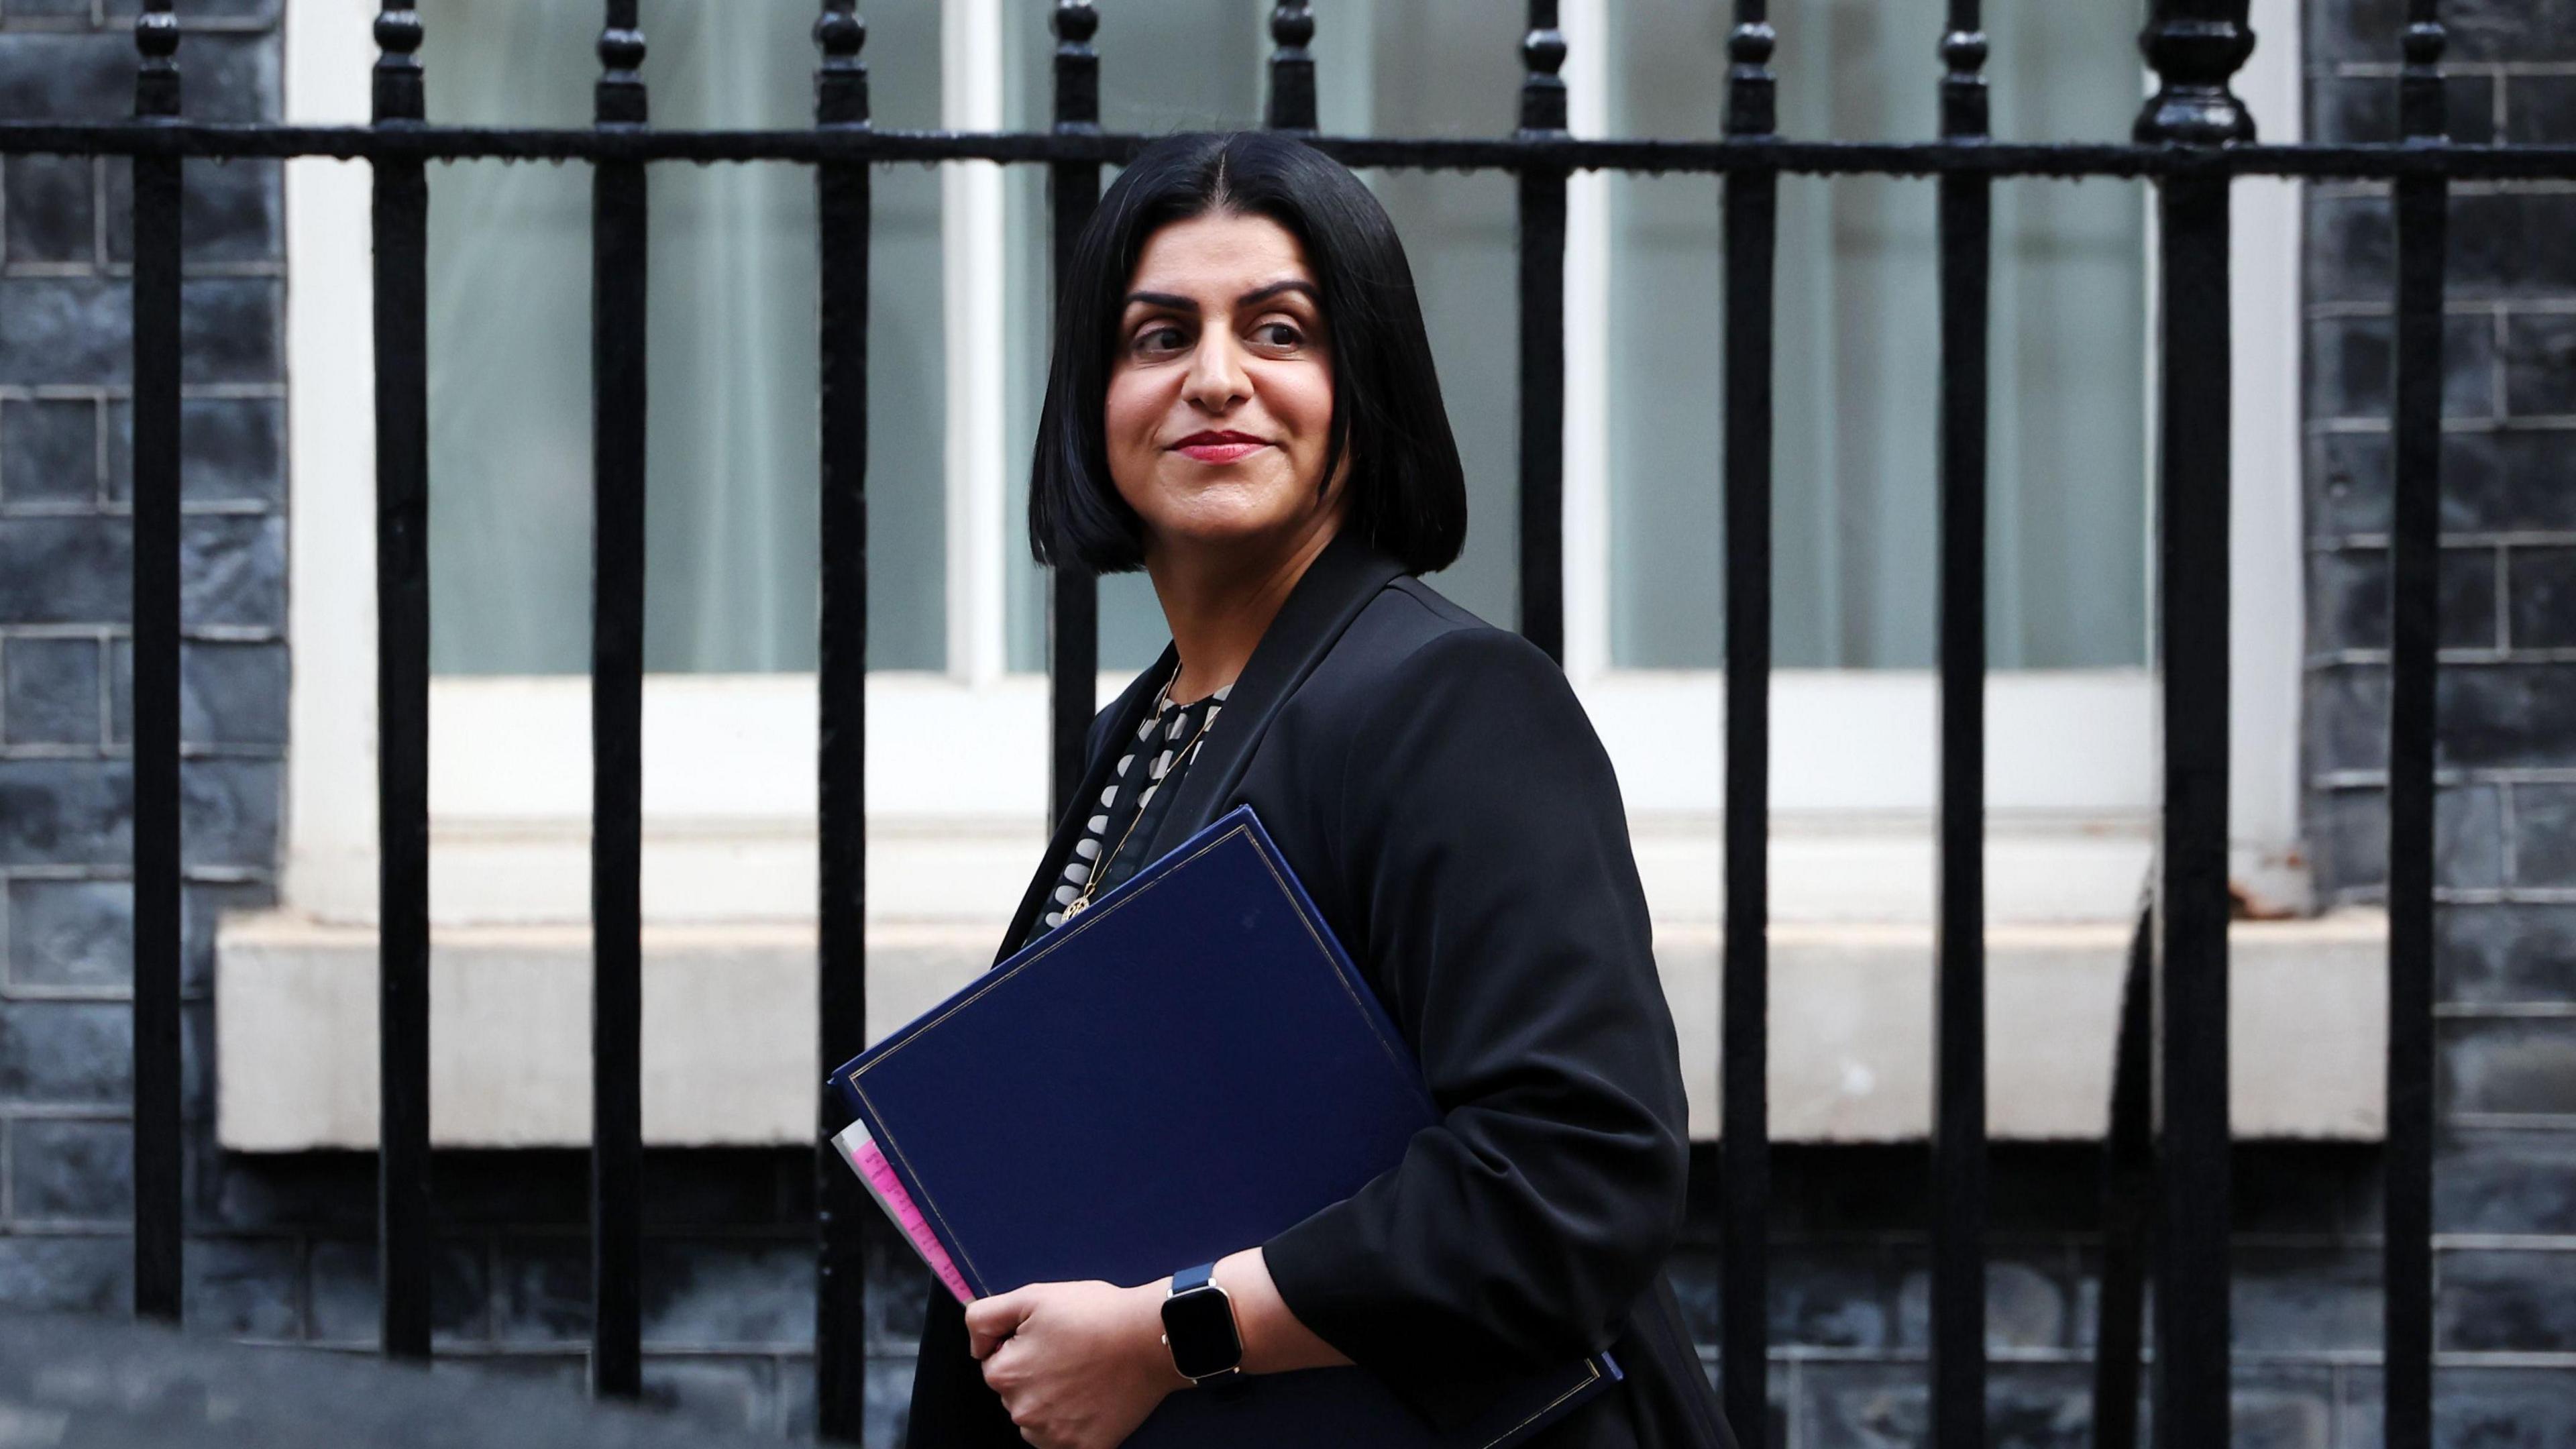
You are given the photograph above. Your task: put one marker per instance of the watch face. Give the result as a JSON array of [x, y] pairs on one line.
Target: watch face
[[1200, 1325]]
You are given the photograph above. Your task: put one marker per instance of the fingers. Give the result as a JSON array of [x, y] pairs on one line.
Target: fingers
[[991, 1320]]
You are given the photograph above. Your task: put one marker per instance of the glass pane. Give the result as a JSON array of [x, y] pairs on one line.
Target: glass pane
[[731, 564], [1447, 67], [1856, 368]]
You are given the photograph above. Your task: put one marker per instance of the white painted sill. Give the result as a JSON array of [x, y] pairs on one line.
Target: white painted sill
[[729, 1041]]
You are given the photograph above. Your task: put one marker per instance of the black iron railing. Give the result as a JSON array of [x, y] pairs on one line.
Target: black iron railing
[[2192, 139]]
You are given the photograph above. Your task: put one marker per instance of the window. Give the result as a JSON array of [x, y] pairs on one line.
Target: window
[[959, 318]]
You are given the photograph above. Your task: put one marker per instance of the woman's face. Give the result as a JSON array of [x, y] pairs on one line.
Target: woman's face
[[1221, 388]]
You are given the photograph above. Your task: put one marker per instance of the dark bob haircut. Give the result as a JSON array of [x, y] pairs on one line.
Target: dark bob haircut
[[1408, 492]]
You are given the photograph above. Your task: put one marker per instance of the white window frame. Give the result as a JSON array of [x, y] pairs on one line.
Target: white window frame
[[729, 762]]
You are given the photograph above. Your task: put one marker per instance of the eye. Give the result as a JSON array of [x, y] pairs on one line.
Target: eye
[[1278, 332], [1156, 337]]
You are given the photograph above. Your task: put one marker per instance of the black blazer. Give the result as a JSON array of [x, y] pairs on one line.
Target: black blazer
[[1444, 799]]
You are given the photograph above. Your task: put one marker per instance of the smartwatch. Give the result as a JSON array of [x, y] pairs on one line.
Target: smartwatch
[[1198, 1326]]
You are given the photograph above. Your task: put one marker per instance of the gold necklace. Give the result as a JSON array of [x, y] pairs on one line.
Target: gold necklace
[[1100, 868]]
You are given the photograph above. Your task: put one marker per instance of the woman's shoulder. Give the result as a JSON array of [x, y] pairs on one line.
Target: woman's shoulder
[[1412, 649]]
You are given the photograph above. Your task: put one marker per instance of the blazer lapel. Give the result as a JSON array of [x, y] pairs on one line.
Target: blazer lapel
[[1331, 593], [1125, 714]]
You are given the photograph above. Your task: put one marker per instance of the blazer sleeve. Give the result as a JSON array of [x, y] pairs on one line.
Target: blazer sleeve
[[1488, 866]]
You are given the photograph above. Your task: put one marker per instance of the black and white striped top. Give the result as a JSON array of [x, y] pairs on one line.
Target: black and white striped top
[[1131, 808]]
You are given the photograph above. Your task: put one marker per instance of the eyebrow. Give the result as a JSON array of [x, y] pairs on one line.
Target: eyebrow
[[1179, 303]]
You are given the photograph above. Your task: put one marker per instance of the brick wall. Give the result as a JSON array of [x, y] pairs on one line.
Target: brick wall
[[281, 1249], [2505, 1184]]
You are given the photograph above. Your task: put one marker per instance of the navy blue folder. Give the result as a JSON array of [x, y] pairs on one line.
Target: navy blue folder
[[1186, 1068]]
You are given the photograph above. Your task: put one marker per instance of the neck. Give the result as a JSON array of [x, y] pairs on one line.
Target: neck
[[1219, 602]]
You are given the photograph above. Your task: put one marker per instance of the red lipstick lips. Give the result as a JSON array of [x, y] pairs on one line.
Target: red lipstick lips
[[1218, 447]]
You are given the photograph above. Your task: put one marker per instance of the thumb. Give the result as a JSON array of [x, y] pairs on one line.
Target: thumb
[[991, 1320]]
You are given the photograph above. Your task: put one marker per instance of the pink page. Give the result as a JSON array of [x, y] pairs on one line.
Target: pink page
[[860, 1151]]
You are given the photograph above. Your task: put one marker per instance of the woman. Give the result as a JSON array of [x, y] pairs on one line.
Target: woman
[[1243, 404]]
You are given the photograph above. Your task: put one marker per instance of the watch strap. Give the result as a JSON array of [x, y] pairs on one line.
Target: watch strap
[[1197, 1277]]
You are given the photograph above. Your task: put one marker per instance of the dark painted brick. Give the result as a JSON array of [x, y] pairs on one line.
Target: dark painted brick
[[2540, 110], [2345, 724], [2501, 245], [229, 694], [2304, 1189], [233, 570], [229, 212], [541, 1291], [230, 10], [2517, 1302], [52, 690], [75, 570], [64, 812], [2509, 1066], [2542, 606], [53, 208], [67, 77], [245, 1287], [2509, 714], [2350, 482], [705, 1293], [2351, 365], [2501, 953], [889, 1399], [2350, 248], [2304, 1299], [346, 1307], [2544, 826], [2028, 1304], [2364, 30], [2534, 485], [2540, 364], [2344, 109], [2348, 599], [231, 809], [232, 329], [2348, 837], [732, 1393], [48, 451], [1884, 1405], [1693, 1271], [2505, 1181], [71, 932], [330, 1191], [2484, 1408], [57, 812], [1830, 1296], [66, 1169], [2285, 1407], [74, 1274], [76, 1053], [2512, 244], [2510, 30], [65, 330], [231, 450], [67, 9], [899, 1288]]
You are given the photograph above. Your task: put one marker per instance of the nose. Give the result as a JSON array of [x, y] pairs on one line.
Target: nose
[[1216, 380]]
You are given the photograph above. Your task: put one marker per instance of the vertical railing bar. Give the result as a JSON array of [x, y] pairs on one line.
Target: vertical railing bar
[[2415, 562], [401, 221], [1958, 1144], [1292, 68], [843, 196], [2128, 1185], [159, 1171], [1542, 340], [1751, 234], [617, 313], [1073, 592], [2194, 46]]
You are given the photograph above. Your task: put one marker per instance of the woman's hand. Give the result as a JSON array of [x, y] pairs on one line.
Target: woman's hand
[[1079, 1365]]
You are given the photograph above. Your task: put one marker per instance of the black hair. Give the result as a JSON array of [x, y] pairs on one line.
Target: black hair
[[1408, 491]]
